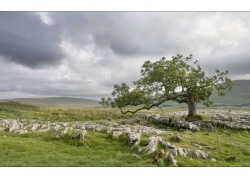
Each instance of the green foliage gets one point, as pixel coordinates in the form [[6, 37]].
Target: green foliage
[[161, 80]]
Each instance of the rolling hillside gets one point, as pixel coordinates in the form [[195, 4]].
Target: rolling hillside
[[238, 96], [56, 101]]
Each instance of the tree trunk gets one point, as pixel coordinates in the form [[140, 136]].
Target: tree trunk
[[191, 107]]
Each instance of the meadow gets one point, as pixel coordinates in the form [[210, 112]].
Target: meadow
[[230, 148]]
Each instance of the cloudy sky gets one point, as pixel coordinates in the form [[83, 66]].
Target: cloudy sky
[[83, 54]]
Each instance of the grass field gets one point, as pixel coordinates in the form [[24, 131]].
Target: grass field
[[230, 148]]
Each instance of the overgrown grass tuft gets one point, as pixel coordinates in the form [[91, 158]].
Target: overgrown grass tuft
[[201, 117]]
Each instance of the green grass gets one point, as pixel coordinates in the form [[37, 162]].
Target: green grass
[[99, 149], [42, 149], [230, 148], [224, 147], [9, 110]]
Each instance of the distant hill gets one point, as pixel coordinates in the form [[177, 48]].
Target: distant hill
[[56, 101], [239, 95]]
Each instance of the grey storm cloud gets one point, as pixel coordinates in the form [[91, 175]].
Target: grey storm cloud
[[125, 33], [26, 40], [84, 54]]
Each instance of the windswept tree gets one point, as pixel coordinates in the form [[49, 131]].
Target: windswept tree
[[179, 79]]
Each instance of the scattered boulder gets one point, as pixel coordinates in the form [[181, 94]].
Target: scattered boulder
[[134, 138], [186, 152], [151, 144], [35, 127], [149, 130], [150, 116], [90, 127], [176, 137], [56, 127], [117, 133], [78, 134], [122, 129], [109, 129], [20, 131], [172, 160], [13, 125], [63, 131], [99, 127], [213, 159]]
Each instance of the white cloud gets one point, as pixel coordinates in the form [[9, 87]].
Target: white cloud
[[45, 18]]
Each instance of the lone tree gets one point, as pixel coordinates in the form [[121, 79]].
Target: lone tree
[[177, 79]]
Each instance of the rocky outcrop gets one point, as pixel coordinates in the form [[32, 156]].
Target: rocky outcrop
[[186, 152], [134, 138], [216, 118], [170, 150], [151, 144], [78, 134], [78, 128]]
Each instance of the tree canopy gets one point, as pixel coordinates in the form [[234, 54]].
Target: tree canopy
[[179, 79]]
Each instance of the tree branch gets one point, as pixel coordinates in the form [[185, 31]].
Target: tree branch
[[178, 94]]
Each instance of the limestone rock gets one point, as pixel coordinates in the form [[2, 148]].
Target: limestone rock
[[13, 125], [150, 116], [172, 160], [109, 129], [35, 127], [151, 144], [200, 154], [148, 130], [176, 137], [63, 131], [117, 133], [192, 126], [213, 159], [20, 131], [122, 129], [99, 127], [78, 134], [56, 128], [90, 127], [134, 138], [186, 152]]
